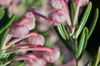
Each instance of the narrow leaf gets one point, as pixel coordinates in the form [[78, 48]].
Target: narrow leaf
[[2, 38], [94, 21], [86, 38], [97, 59], [72, 8], [8, 23], [82, 43], [61, 31], [67, 44], [2, 12], [65, 32], [83, 20]]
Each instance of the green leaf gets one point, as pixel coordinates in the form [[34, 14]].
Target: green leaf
[[94, 21], [2, 38], [65, 32], [66, 43], [2, 7], [72, 8], [83, 20], [96, 59], [2, 12], [61, 31], [12, 51], [82, 43], [7, 24]]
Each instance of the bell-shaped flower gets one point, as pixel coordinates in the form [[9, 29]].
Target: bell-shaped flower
[[36, 40], [30, 23], [51, 56], [57, 18], [36, 62], [5, 2], [55, 4], [18, 30], [39, 62], [21, 52], [29, 14]]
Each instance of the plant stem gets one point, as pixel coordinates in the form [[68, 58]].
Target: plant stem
[[76, 62]]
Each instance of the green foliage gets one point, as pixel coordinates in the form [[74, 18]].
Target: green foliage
[[2, 12], [82, 43], [96, 59], [7, 23], [83, 20], [72, 8], [61, 35], [94, 21], [3, 37]]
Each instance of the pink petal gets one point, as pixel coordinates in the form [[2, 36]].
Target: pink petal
[[57, 18], [36, 40], [18, 30], [52, 56], [5, 2], [56, 4]]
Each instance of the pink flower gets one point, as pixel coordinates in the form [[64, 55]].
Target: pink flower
[[36, 40], [30, 23], [21, 52], [5, 2], [56, 4], [35, 61], [57, 18], [51, 56], [39, 62], [29, 14], [18, 30]]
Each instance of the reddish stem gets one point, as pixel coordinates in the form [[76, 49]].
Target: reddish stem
[[65, 6], [36, 49]]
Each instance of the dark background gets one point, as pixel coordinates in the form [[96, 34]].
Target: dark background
[[94, 41]]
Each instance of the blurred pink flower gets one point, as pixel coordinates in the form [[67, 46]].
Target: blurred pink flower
[[55, 4], [57, 18], [5, 2], [29, 22], [52, 56], [36, 40], [18, 30]]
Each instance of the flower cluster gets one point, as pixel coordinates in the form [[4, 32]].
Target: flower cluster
[[22, 30], [30, 45]]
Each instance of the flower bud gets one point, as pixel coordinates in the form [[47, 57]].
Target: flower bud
[[18, 30], [52, 56], [36, 40], [56, 4], [39, 62], [21, 52], [29, 14], [57, 18], [5, 2], [36, 62], [30, 23]]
